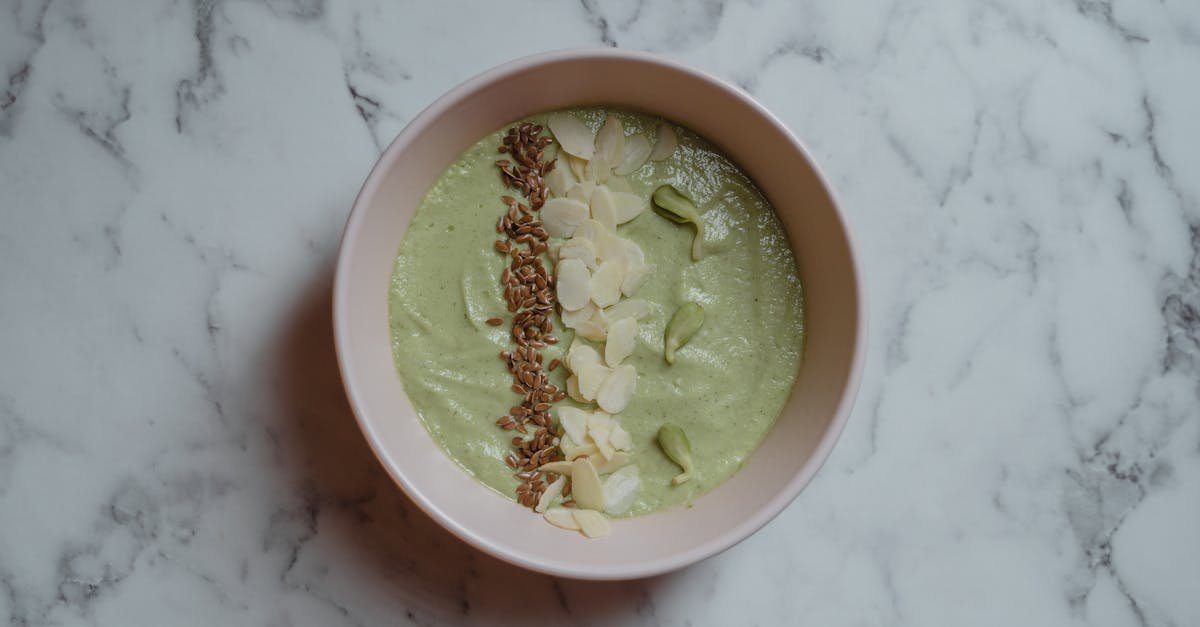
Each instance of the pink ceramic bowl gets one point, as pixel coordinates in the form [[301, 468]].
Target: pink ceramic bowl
[[813, 417]]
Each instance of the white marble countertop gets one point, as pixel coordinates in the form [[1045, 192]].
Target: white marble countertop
[[175, 448]]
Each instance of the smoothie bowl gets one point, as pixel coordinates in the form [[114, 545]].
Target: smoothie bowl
[[598, 314]]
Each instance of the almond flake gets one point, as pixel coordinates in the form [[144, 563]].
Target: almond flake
[[592, 330], [618, 184], [572, 449], [612, 464], [620, 490], [598, 169], [611, 247], [561, 216], [619, 437], [610, 140], [575, 423], [604, 210], [665, 143], [572, 319], [628, 308], [605, 284], [617, 388], [627, 206], [552, 492], [591, 377], [599, 425], [562, 518], [558, 468], [580, 248], [636, 268], [581, 355], [573, 283], [592, 523], [574, 136], [560, 180], [622, 337], [637, 149], [578, 169], [592, 230], [582, 191], [573, 389], [585, 485]]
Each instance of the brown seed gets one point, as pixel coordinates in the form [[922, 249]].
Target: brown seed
[[495, 321], [553, 364]]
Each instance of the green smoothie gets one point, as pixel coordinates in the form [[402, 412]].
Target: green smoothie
[[727, 385]]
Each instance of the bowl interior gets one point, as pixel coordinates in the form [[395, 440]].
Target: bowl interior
[[810, 421]]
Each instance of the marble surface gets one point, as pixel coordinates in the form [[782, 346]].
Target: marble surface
[[1022, 176]]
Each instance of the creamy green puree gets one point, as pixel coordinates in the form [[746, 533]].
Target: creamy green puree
[[728, 383]]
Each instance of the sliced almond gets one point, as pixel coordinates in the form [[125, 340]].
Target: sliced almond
[[620, 490], [617, 388], [611, 247], [593, 524], [622, 337], [578, 169], [573, 283], [573, 389], [598, 427], [585, 485], [558, 468], [605, 284], [575, 423], [612, 464], [562, 216], [580, 248], [591, 377], [553, 491], [572, 449], [598, 169], [592, 230], [603, 208], [562, 518], [574, 136], [572, 319], [627, 206], [634, 277], [637, 149], [580, 355], [665, 143], [610, 140], [618, 184], [628, 308], [560, 181], [636, 268], [592, 330], [619, 437]]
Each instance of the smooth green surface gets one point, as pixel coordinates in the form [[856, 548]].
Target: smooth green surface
[[727, 385]]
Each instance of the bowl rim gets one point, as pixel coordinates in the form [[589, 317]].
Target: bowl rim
[[341, 304]]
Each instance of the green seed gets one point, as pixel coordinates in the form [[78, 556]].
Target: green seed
[[674, 442], [683, 325], [671, 204]]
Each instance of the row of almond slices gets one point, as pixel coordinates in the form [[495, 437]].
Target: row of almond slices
[[594, 444], [594, 268]]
